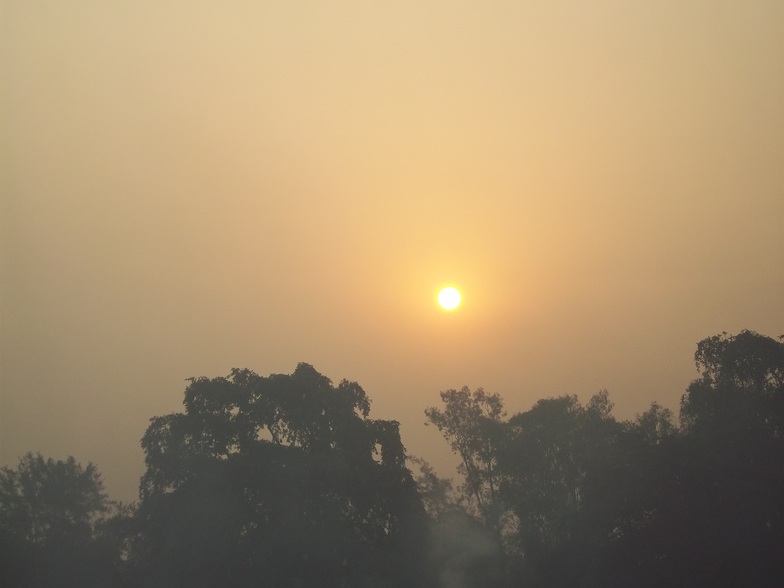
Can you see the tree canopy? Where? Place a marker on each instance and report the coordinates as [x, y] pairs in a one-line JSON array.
[[286, 481], [277, 481], [50, 512]]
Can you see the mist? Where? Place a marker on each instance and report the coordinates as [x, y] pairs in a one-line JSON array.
[[186, 189]]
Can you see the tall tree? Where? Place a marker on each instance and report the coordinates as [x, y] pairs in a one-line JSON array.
[[472, 424], [559, 468], [706, 504], [277, 481], [732, 486]]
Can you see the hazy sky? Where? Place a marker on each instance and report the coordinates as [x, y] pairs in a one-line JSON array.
[[193, 186]]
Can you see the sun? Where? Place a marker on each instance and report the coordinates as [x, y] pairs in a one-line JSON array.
[[449, 298]]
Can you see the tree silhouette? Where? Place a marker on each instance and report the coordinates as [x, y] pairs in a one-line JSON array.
[[560, 468], [471, 423], [585, 500], [731, 486], [285, 481], [277, 481], [49, 510]]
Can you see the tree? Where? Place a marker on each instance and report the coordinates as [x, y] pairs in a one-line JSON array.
[[45, 499], [49, 512], [705, 505], [586, 500], [732, 485], [437, 494], [741, 385], [277, 481], [471, 423], [559, 470]]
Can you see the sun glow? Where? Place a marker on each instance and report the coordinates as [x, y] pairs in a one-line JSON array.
[[449, 298]]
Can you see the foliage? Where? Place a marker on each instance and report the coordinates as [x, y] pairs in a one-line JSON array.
[[276, 481], [285, 481], [587, 500], [741, 385], [559, 470], [49, 515], [471, 423], [438, 494], [733, 461], [43, 499]]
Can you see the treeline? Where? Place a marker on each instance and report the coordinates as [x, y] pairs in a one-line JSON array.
[[286, 481]]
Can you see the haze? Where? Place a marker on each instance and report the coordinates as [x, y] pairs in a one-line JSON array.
[[189, 187]]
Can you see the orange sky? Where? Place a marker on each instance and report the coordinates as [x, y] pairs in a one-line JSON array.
[[193, 186]]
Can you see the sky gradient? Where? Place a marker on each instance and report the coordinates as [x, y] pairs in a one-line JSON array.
[[189, 187]]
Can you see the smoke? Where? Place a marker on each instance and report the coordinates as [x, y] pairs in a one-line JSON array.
[[464, 553]]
